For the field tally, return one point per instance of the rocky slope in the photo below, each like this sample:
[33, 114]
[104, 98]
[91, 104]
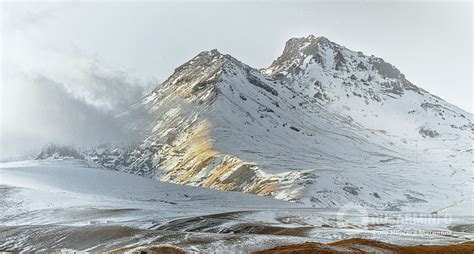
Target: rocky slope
[323, 125]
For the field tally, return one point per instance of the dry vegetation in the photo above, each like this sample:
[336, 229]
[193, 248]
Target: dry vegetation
[357, 245]
[153, 249]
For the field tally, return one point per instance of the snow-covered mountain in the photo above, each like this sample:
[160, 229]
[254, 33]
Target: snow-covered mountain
[367, 89]
[323, 125]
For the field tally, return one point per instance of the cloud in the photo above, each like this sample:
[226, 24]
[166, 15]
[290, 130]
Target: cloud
[60, 93]
[114, 90]
[40, 110]
[68, 98]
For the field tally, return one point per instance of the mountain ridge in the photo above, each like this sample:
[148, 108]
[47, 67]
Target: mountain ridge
[317, 127]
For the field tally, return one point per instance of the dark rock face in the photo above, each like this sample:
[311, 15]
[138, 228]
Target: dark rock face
[394, 88]
[131, 159]
[413, 199]
[385, 69]
[257, 82]
[294, 128]
[242, 174]
[352, 190]
[361, 66]
[292, 48]
[425, 132]
[59, 151]
[297, 48]
[407, 85]
[340, 61]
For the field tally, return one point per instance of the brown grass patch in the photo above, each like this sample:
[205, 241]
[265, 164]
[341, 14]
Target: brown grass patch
[152, 249]
[357, 245]
[255, 228]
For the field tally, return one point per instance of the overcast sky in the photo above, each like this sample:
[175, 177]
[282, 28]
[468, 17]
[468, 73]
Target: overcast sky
[107, 54]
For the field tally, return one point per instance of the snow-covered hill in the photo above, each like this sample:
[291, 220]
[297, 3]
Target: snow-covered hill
[74, 192]
[71, 205]
[323, 125]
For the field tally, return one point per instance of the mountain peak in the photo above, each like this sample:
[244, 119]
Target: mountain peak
[195, 80]
[210, 53]
[297, 49]
[204, 64]
[304, 45]
[308, 40]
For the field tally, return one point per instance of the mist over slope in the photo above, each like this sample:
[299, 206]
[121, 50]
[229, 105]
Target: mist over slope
[73, 105]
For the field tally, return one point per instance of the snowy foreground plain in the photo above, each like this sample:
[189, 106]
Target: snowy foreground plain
[72, 205]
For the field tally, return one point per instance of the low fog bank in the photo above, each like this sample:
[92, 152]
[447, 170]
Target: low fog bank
[37, 110]
[56, 89]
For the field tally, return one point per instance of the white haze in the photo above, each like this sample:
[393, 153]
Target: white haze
[58, 94]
